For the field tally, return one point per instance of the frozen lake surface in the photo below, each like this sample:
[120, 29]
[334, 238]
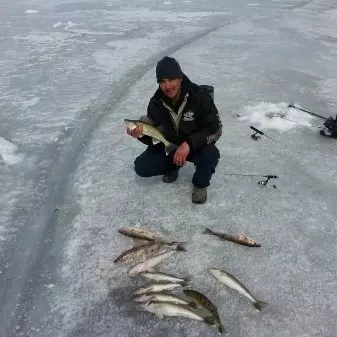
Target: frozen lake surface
[71, 71]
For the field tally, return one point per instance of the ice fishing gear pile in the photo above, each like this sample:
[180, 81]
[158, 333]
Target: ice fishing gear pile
[329, 128]
[330, 124]
[149, 250]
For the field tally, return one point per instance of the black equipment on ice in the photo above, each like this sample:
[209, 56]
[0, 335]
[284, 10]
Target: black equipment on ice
[331, 127]
[330, 123]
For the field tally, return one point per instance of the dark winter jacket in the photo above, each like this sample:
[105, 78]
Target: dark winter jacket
[193, 119]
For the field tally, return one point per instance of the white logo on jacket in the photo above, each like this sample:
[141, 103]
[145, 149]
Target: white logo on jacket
[188, 116]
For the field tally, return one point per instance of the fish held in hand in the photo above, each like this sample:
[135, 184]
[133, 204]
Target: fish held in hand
[232, 282]
[151, 131]
[241, 239]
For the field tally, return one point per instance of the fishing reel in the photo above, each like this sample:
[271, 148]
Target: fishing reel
[331, 127]
[265, 182]
[254, 136]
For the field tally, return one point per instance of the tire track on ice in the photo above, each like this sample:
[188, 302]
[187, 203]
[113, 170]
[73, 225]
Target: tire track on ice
[56, 165]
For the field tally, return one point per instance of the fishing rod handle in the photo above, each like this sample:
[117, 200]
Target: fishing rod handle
[310, 113]
[256, 130]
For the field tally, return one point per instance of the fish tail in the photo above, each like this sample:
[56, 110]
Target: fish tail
[117, 260]
[210, 320]
[193, 305]
[221, 328]
[186, 283]
[170, 147]
[259, 305]
[181, 247]
[140, 307]
[207, 231]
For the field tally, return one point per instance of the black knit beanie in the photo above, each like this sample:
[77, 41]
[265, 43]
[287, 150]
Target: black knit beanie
[168, 67]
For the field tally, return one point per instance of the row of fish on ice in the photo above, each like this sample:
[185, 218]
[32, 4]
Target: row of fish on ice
[149, 250]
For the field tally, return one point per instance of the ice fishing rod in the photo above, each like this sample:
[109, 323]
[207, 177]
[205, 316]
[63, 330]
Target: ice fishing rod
[255, 137]
[309, 126]
[262, 182]
[308, 112]
[330, 124]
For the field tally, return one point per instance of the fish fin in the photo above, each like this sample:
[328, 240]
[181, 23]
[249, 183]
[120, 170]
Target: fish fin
[210, 320]
[139, 242]
[221, 328]
[193, 305]
[155, 141]
[207, 231]
[170, 147]
[259, 305]
[160, 316]
[116, 260]
[186, 283]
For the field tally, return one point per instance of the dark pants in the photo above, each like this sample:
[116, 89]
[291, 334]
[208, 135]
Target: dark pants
[153, 161]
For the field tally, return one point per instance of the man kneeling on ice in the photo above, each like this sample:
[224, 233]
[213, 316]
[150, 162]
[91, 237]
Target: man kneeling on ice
[185, 115]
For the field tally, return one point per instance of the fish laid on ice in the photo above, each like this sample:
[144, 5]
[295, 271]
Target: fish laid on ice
[151, 131]
[140, 233]
[149, 263]
[162, 309]
[202, 301]
[241, 238]
[230, 281]
[162, 277]
[145, 234]
[138, 242]
[141, 253]
[160, 297]
[156, 287]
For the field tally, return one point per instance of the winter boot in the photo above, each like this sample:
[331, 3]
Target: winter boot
[199, 195]
[171, 176]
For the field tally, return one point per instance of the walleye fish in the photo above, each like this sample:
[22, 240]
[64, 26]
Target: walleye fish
[230, 281]
[162, 277]
[149, 264]
[202, 301]
[151, 131]
[138, 242]
[142, 253]
[144, 234]
[170, 309]
[156, 287]
[160, 297]
[241, 239]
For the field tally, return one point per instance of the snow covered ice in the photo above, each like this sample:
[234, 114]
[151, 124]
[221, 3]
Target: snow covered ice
[71, 71]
